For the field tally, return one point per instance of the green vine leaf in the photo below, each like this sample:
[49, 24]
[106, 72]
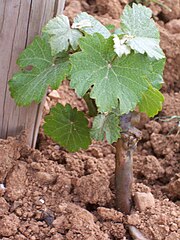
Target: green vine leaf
[156, 79]
[113, 80]
[106, 125]
[90, 25]
[151, 102]
[31, 85]
[61, 34]
[68, 127]
[137, 23]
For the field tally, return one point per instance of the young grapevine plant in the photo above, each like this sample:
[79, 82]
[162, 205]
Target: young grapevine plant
[115, 73]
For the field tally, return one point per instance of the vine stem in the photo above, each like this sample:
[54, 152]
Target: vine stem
[125, 147]
[123, 177]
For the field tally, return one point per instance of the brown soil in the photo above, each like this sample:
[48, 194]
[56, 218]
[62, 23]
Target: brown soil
[48, 193]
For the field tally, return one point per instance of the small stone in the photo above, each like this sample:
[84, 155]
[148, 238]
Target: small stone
[54, 95]
[144, 200]
[39, 202]
[110, 214]
[9, 225]
[48, 217]
[46, 178]
[136, 233]
[57, 147]
[42, 200]
[2, 186]
[2, 190]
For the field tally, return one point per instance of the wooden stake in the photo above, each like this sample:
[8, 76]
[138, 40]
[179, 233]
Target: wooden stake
[20, 21]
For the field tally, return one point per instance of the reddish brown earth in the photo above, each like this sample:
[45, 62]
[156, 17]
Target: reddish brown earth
[52, 194]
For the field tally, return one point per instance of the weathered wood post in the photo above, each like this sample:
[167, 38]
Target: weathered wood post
[20, 21]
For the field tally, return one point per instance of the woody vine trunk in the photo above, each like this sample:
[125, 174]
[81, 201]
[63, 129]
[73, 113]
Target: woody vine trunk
[125, 147]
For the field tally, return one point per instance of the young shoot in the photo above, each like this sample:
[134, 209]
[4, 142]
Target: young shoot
[116, 74]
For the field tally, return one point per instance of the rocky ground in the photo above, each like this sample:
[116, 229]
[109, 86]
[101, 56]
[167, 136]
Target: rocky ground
[50, 194]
